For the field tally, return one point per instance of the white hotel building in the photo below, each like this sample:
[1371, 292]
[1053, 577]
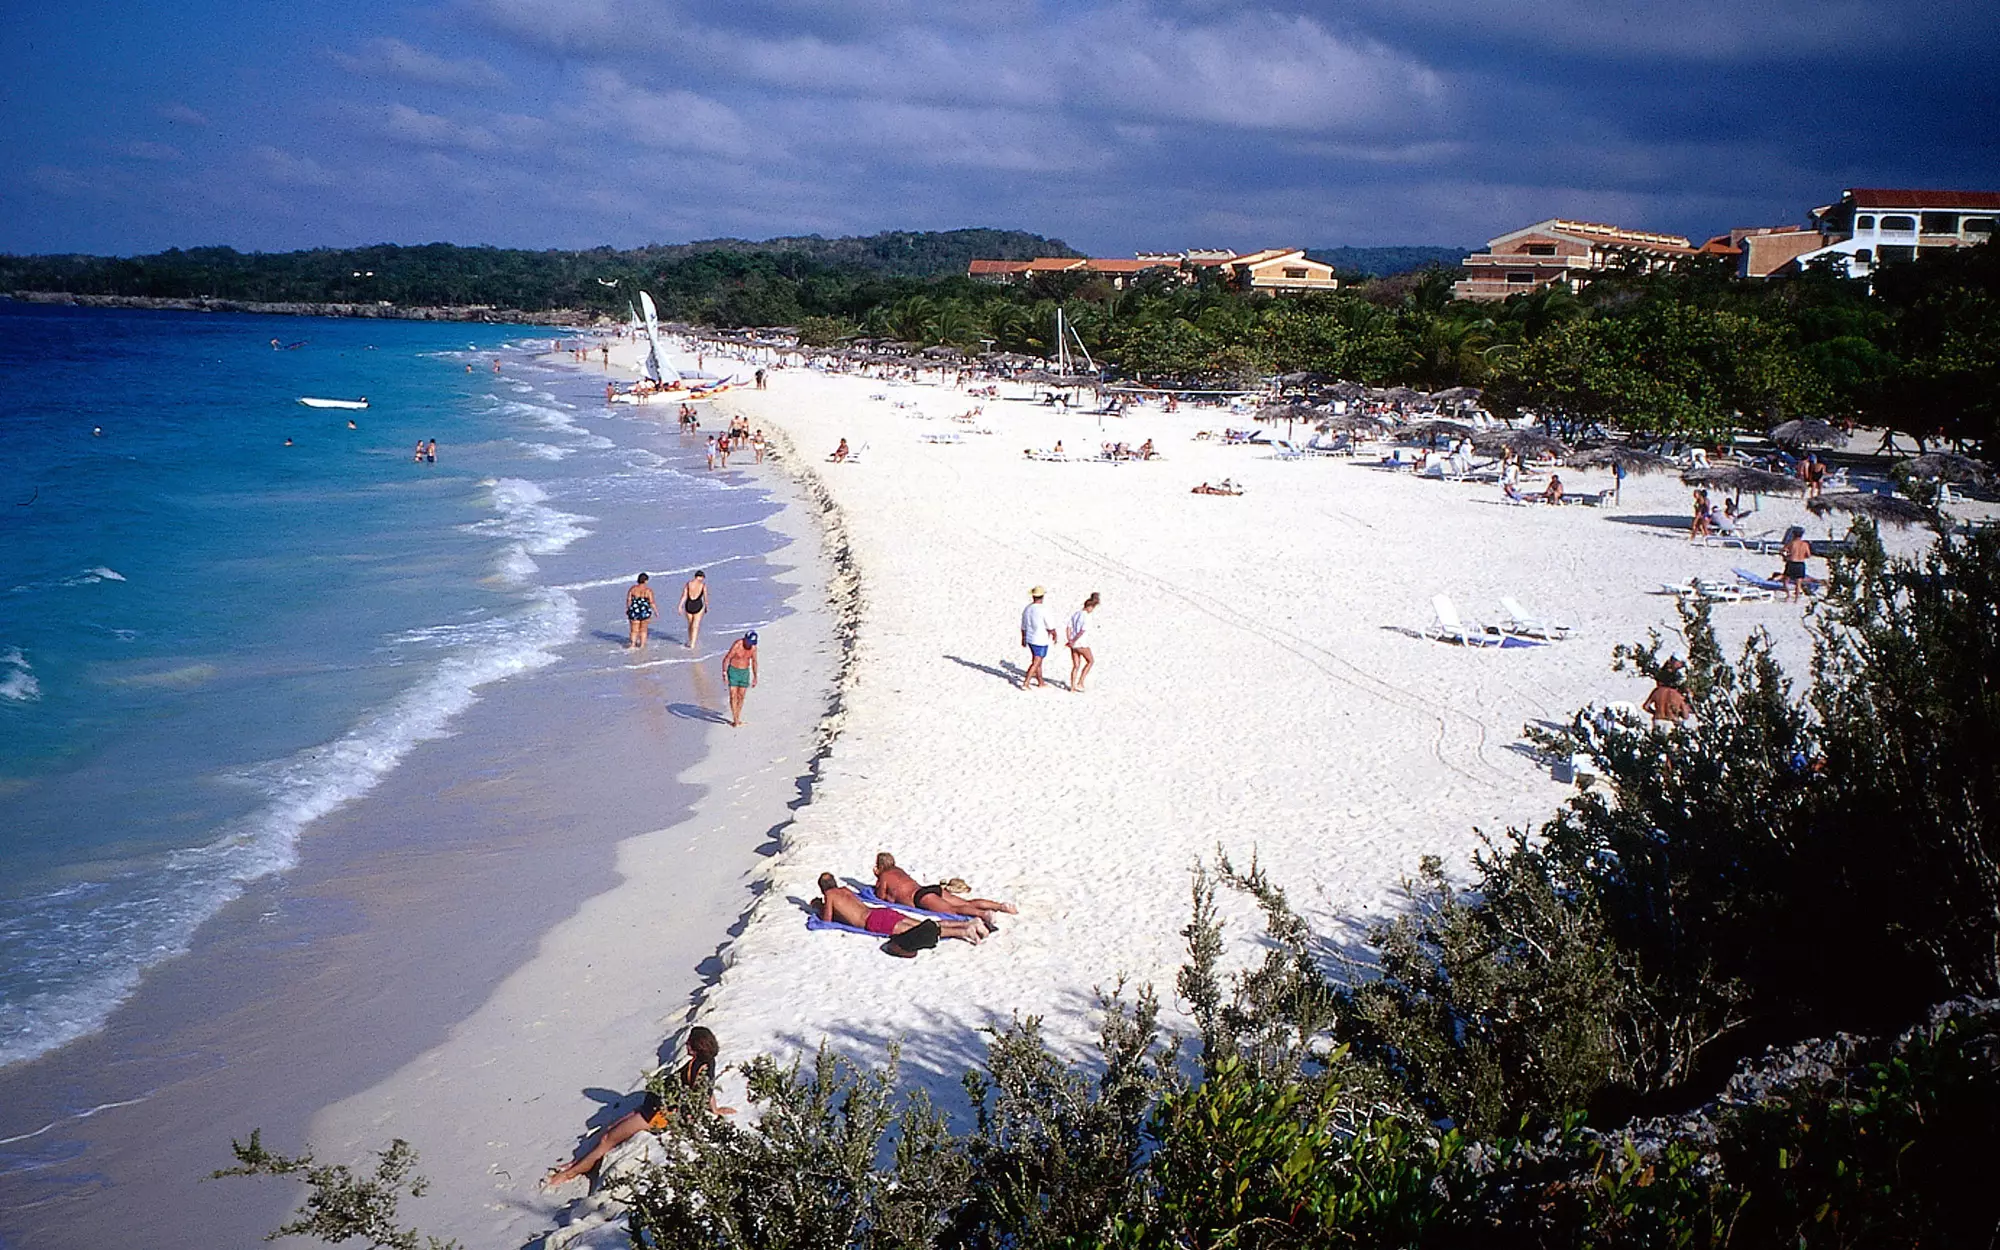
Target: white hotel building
[1873, 226]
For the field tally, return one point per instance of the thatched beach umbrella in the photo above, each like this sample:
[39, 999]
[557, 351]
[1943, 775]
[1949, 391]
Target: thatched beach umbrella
[1633, 460]
[1429, 431]
[1289, 413]
[1886, 509]
[1349, 391]
[1809, 432]
[1350, 422]
[1741, 479]
[1458, 392]
[1947, 466]
[1522, 443]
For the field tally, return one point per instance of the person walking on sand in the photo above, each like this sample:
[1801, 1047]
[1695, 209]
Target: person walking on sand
[711, 451]
[897, 886]
[1038, 634]
[1077, 638]
[694, 605]
[639, 608]
[1796, 552]
[907, 935]
[698, 1072]
[740, 668]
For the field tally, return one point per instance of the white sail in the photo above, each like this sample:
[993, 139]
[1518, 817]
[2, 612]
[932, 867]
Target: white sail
[658, 371]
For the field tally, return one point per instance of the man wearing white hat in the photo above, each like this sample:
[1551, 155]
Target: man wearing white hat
[1038, 634]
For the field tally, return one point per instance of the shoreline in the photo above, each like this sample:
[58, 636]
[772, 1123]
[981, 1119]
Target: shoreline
[413, 910]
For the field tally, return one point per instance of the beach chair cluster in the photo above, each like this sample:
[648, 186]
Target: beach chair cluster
[1747, 587]
[1516, 626]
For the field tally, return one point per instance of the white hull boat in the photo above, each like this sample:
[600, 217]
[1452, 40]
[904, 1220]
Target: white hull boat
[312, 402]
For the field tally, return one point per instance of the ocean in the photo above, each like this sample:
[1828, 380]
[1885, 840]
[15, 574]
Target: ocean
[224, 614]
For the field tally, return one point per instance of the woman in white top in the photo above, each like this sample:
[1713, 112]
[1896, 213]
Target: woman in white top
[1078, 639]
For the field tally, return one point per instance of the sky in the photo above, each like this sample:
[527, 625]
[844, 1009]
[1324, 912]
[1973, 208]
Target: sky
[1134, 124]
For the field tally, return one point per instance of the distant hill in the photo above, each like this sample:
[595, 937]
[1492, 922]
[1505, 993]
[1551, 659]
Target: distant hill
[893, 253]
[731, 280]
[1382, 262]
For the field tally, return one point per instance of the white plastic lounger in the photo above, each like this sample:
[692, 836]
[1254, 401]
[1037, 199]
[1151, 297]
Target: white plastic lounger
[1449, 628]
[1525, 623]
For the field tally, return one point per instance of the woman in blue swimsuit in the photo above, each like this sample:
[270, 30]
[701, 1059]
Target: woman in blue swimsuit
[638, 611]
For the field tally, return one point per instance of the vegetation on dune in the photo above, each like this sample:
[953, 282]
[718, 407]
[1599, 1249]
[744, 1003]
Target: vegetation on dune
[1743, 992]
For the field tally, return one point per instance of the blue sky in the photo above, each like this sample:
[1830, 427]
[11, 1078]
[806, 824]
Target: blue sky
[1116, 126]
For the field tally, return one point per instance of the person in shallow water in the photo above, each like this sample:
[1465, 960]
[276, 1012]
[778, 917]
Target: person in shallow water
[694, 605]
[740, 667]
[639, 607]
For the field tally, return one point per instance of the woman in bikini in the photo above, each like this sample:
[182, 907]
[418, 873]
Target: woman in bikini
[653, 1113]
[694, 605]
[639, 607]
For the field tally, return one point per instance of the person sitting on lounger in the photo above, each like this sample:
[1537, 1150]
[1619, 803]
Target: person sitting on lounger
[1512, 493]
[907, 935]
[1226, 488]
[1146, 450]
[699, 1071]
[840, 453]
[892, 883]
[1553, 493]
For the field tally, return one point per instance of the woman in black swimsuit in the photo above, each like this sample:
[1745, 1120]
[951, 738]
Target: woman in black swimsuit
[694, 605]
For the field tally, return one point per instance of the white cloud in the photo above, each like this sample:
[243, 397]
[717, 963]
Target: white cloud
[181, 115]
[287, 170]
[145, 150]
[672, 120]
[392, 58]
[404, 124]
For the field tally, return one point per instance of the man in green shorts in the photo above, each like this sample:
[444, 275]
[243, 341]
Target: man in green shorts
[740, 667]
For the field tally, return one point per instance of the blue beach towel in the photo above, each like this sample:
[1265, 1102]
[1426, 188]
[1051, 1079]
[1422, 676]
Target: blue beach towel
[814, 922]
[868, 895]
[1511, 641]
[1762, 583]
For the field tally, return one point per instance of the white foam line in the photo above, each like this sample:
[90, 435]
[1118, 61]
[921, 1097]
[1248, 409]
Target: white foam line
[724, 529]
[81, 1115]
[620, 581]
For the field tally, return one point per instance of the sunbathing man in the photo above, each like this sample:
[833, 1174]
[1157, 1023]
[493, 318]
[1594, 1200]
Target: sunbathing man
[907, 935]
[840, 453]
[1554, 492]
[897, 886]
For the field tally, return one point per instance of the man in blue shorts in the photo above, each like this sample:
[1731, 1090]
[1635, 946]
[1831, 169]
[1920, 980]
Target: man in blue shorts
[1038, 634]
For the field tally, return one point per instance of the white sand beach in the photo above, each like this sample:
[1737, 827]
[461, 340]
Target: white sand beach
[1259, 688]
[1262, 688]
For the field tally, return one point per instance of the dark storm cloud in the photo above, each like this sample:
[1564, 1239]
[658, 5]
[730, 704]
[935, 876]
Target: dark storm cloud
[1118, 125]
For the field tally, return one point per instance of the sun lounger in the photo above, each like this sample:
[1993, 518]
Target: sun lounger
[946, 438]
[1525, 623]
[1732, 592]
[1448, 627]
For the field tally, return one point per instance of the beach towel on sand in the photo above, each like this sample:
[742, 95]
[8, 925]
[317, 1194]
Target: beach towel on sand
[868, 895]
[814, 922]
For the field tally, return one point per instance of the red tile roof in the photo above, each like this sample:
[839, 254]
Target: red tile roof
[979, 267]
[1122, 266]
[1881, 197]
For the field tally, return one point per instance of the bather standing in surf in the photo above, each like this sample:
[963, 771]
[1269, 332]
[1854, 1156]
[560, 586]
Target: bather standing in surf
[694, 605]
[639, 607]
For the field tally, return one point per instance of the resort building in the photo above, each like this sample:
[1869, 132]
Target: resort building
[1874, 226]
[1271, 271]
[1567, 252]
[1763, 250]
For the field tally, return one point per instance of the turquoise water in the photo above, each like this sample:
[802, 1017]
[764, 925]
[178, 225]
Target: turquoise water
[209, 638]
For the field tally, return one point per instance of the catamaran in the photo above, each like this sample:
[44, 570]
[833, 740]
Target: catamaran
[662, 380]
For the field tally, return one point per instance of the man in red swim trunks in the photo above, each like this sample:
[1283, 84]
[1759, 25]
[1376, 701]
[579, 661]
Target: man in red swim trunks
[907, 935]
[898, 886]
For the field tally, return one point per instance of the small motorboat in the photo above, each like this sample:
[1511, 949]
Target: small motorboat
[312, 402]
